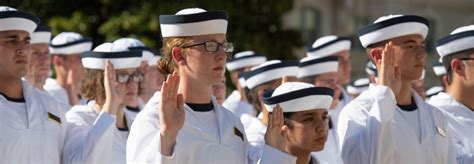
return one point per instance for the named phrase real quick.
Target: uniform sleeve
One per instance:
(85, 144)
(272, 156)
(462, 155)
(143, 145)
(366, 134)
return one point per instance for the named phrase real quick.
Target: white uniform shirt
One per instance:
(58, 92)
(372, 130)
(461, 123)
(237, 106)
(86, 115)
(47, 137)
(193, 145)
(256, 137)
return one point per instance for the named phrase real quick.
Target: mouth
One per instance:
(220, 68)
(21, 61)
(321, 139)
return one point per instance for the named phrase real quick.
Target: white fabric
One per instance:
(20, 109)
(132, 42)
(411, 117)
(85, 115)
(40, 37)
(247, 62)
(270, 75)
(461, 121)
(439, 70)
(372, 130)
(397, 30)
(43, 140)
(308, 102)
(331, 49)
(457, 45)
(318, 68)
(235, 104)
(217, 26)
(119, 63)
(434, 90)
(69, 37)
(59, 93)
(16, 23)
(192, 144)
(256, 137)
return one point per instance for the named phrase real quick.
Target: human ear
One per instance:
(458, 67)
(178, 56)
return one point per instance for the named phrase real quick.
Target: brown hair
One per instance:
(166, 65)
(92, 86)
(449, 58)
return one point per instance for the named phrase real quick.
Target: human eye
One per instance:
(212, 46)
(308, 119)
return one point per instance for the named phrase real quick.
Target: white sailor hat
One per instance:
(438, 68)
(245, 59)
(314, 65)
(67, 43)
(149, 54)
(193, 22)
(12, 19)
(121, 57)
(459, 40)
(42, 34)
(434, 91)
(297, 97)
(358, 86)
(270, 70)
(328, 45)
(370, 68)
(392, 26)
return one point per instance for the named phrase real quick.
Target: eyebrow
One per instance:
(16, 37)
(412, 41)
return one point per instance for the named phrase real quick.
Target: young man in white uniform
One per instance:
(457, 53)
(40, 61)
(66, 49)
(390, 123)
(33, 126)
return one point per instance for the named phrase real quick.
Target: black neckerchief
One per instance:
(17, 100)
(126, 126)
(408, 108)
(341, 97)
(201, 107)
(133, 109)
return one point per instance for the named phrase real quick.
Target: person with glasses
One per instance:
(111, 80)
(40, 61)
(34, 128)
(390, 122)
(185, 124)
(457, 54)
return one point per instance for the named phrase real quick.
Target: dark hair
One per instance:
(449, 58)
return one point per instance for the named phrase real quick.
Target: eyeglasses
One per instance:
(125, 78)
(213, 46)
(466, 58)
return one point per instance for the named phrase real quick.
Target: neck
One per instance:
(11, 87)
(404, 96)
(264, 115)
(302, 156)
(194, 91)
(462, 94)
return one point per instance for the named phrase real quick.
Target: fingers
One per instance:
(180, 102)
(278, 116)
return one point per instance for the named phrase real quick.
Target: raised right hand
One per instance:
(171, 110)
(275, 136)
(389, 73)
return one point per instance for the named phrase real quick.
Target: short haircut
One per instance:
(449, 58)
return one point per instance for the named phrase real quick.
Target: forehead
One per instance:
(15, 33)
(408, 39)
(210, 37)
(311, 112)
(126, 71)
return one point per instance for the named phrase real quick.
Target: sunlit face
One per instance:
(329, 80)
(131, 85)
(39, 65)
(345, 67)
(202, 66)
(15, 52)
(410, 55)
(308, 130)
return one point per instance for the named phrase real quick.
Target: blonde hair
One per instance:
(166, 65)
